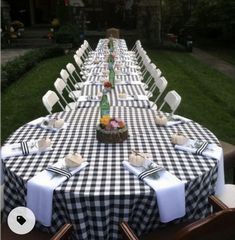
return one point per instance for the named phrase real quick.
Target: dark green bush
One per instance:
(13, 70)
(68, 34)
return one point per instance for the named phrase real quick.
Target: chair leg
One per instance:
(234, 175)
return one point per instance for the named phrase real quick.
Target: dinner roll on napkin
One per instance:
(44, 143)
(137, 159)
(161, 120)
(178, 138)
(73, 160)
(55, 123)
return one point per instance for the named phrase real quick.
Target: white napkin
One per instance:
(40, 192)
(177, 120)
(22, 148)
(88, 99)
(170, 193)
(135, 97)
(40, 123)
(122, 82)
(212, 151)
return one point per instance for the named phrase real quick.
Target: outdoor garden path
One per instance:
(10, 54)
(215, 62)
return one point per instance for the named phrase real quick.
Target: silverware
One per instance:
(138, 153)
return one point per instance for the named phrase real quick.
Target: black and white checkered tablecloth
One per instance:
(96, 199)
(122, 70)
(132, 90)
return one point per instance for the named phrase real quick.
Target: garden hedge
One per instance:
(13, 70)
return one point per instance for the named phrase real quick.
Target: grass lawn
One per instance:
(22, 101)
(207, 95)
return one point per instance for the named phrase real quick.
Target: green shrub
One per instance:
(13, 70)
(68, 34)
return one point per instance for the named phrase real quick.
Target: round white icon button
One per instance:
(21, 220)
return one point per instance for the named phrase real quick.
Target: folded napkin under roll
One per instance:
(40, 189)
(200, 147)
(53, 124)
(89, 98)
(25, 148)
(162, 120)
(210, 150)
(170, 192)
(134, 97)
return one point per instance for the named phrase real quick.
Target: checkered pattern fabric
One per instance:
(131, 90)
(96, 199)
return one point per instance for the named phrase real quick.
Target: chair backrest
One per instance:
(64, 75)
(60, 85)
(217, 226)
(73, 72)
(70, 67)
(156, 72)
(173, 100)
(88, 45)
(2, 196)
(78, 60)
(161, 84)
(50, 99)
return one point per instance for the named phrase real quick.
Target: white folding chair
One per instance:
(49, 101)
(88, 45)
(151, 72)
(60, 86)
(81, 66)
(72, 94)
(80, 53)
(160, 85)
(2, 196)
(154, 73)
(74, 74)
(173, 100)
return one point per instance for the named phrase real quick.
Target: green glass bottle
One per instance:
(110, 44)
(112, 76)
(104, 105)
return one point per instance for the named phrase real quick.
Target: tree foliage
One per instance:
(215, 18)
(210, 18)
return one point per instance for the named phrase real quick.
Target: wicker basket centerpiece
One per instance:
(111, 130)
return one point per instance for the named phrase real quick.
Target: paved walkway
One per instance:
(9, 54)
(220, 65)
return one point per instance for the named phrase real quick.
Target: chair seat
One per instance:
(228, 195)
(75, 94)
(153, 105)
(70, 106)
(79, 85)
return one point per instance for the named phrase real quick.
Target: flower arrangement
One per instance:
(109, 123)
(107, 85)
(55, 23)
(17, 25)
(111, 130)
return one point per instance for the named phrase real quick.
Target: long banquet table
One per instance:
(96, 199)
